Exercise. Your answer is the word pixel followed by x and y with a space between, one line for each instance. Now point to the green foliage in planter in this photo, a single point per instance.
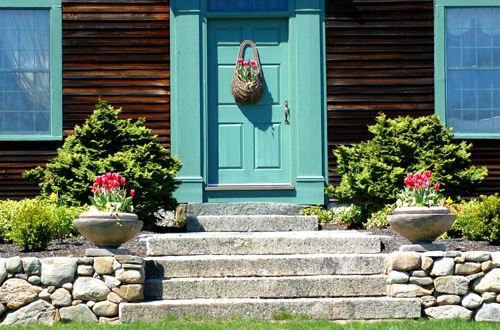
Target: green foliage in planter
pixel 478 220
pixel 32 225
pixel 104 144
pixel 373 171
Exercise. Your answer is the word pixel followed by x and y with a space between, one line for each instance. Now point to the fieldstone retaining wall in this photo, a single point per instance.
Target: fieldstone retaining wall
pixel 88 289
pixel 450 284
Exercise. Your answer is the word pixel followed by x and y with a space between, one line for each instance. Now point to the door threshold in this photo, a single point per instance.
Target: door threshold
pixel 249 187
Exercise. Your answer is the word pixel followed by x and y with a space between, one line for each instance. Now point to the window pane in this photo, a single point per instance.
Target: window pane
pixel 247 5
pixel 24 71
pixel 473 69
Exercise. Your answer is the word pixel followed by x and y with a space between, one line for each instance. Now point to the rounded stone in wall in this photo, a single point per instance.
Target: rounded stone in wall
pixel 89 288
pixel 472 301
pixel 105 308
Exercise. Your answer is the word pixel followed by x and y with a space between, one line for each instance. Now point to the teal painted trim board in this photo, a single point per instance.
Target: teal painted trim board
pixel 187 98
pixel 440 64
pixel 55 67
pixel 30 3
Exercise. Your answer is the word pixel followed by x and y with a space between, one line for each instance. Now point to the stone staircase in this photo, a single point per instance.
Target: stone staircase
pixel 243 270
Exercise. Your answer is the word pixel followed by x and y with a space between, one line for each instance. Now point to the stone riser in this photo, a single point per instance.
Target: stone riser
pixel 266 287
pixel 273 243
pixel 251 223
pixel 197 209
pixel 330 308
pixel 267 265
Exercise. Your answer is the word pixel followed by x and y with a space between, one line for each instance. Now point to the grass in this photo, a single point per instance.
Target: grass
pixel 292 324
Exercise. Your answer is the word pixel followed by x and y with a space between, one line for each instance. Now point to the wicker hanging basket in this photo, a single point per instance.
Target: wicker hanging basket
pixel 250 91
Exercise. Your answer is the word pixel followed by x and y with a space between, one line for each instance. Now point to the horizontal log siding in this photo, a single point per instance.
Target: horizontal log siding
pixel 380 59
pixel 114 49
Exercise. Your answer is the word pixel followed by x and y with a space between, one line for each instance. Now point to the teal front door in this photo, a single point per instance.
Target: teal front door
pixel 248 153
pixel 249 146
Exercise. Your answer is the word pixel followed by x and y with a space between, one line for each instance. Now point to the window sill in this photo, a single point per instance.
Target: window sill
pixel 477 136
pixel 31 137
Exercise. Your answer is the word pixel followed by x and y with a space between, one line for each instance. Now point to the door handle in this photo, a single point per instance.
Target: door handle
pixel 287 114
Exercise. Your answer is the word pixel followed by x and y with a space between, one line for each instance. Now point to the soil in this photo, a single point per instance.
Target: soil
pixel 458 244
pixel 73 248
pixel 76 247
pixel 455 244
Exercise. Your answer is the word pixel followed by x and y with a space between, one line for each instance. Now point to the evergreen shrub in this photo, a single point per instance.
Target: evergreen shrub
pixel 372 171
pixel 105 143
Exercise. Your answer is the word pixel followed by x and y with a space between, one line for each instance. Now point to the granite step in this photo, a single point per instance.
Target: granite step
pixel 249 208
pixel 265 265
pixel 251 223
pixel 262 243
pixel 266 287
pixel 329 308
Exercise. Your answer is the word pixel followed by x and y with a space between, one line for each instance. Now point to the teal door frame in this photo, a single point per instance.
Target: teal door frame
pixel 189 101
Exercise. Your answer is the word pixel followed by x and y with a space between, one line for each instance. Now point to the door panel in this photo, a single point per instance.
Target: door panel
pixel 248 143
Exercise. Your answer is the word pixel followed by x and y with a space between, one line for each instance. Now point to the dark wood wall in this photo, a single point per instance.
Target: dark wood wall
pixel 114 49
pixel 379 58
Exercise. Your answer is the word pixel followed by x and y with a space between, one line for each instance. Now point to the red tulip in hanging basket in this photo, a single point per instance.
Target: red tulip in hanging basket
pixel 247 85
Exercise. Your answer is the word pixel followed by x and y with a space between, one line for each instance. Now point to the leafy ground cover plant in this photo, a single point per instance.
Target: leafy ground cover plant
pixel 372 172
pixel 478 219
pixel 379 219
pixel 345 215
pixel 106 143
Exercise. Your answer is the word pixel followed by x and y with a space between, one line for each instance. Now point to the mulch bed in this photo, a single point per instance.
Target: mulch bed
pixel 73 248
pixel 456 244
pixel 76 247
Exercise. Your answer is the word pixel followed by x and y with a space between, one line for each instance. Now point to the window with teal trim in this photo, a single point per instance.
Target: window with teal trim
pixel 247 5
pixel 472 69
pixel 30 70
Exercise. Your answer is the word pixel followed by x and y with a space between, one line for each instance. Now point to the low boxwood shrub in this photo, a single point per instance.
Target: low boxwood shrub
pixel 478 219
pixel 105 143
pixel 8 208
pixel 32 225
pixel 372 172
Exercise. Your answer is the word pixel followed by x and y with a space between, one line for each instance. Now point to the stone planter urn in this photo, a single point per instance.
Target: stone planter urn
pixel 108 230
pixel 420 224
